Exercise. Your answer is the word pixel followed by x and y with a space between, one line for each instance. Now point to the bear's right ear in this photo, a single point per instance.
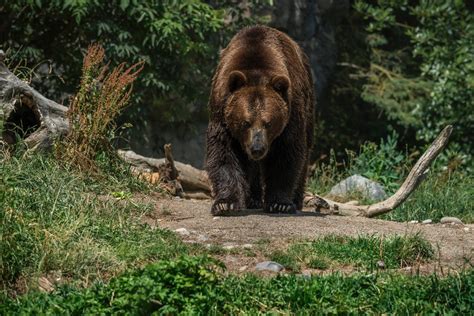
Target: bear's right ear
pixel 237 80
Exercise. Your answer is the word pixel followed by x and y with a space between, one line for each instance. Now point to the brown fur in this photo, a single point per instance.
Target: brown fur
pixel 261 123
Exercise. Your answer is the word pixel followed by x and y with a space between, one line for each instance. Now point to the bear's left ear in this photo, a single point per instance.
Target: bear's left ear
pixel 281 84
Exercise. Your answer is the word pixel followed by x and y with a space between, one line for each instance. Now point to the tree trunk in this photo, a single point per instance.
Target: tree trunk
pixel 28 115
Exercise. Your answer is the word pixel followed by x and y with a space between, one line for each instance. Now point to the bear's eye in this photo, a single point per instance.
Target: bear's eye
pixel 246 124
pixel 267 124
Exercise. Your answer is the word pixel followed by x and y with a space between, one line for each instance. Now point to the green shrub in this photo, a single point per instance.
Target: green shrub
pixel 194 286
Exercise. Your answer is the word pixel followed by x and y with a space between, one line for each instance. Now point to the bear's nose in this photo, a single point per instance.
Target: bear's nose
pixel 257 149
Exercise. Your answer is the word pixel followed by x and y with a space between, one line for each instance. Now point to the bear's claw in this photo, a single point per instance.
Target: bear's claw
pixel 220 208
pixel 282 208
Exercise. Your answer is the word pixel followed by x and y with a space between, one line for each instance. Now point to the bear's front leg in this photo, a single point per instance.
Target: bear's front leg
pixel 225 171
pixel 281 174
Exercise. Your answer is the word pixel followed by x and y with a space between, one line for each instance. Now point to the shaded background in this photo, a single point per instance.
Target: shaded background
pixel 398 68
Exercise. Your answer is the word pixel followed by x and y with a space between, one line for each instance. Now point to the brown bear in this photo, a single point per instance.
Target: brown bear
pixel 260 131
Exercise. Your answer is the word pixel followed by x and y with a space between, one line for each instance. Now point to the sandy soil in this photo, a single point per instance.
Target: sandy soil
pixel 454 244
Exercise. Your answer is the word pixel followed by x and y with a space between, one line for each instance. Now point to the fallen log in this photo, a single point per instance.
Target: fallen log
pixel 27 114
pixel 192 179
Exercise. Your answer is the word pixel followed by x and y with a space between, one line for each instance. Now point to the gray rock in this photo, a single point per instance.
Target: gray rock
pixel 427 221
pixel 450 219
pixel 269 266
pixel 182 231
pixel 381 264
pixel 357 183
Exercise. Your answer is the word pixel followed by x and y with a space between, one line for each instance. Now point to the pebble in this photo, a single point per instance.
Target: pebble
pixel 242 269
pixel 381 264
pixel 427 221
pixel 413 222
pixel 466 229
pixel 451 219
pixel 228 247
pixel 247 246
pixel 182 231
pixel 215 218
pixel 269 266
pixel 202 238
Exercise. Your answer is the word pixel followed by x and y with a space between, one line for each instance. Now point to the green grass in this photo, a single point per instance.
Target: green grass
pixel 363 252
pixel 437 197
pixel 55 219
pixel 196 286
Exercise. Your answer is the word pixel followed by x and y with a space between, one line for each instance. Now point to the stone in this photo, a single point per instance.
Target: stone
pixel 466 229
pixel 269 266
pixel 381 264
pixel 413 222
pixel 427 221
pixel 242 269
pixel 247 246
pixel 202 238
pixel 357 183
pixel 182 231
pixel 451 220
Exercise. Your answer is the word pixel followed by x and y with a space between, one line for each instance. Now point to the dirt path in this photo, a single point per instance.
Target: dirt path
pixel 193 219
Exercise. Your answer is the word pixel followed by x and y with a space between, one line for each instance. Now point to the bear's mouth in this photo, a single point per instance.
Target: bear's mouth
pixel 256 154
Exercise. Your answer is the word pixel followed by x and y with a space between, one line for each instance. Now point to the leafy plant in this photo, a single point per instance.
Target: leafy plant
pixel 382 162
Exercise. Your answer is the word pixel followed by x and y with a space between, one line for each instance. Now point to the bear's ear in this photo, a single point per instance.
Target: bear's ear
pixel 237 80
pixel 281 84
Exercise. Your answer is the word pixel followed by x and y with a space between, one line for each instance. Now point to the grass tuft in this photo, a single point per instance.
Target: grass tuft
pixel 362 252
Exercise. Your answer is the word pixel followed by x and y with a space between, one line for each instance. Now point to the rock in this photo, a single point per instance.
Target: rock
pixel 451 220
pixel 182 231
pixel 247 246
pixel 413 222
pixel 269 266
pixel 357 183
pixel 242 269
pixel 381 264
pixel 427 221
pixel 202 238
pixel 228 247
pixel 466 229
pixel 44 285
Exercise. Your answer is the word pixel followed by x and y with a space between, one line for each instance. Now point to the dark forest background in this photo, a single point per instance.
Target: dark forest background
pixel 384 69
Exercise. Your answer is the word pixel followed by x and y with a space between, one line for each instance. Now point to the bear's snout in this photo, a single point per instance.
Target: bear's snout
pixel 258 144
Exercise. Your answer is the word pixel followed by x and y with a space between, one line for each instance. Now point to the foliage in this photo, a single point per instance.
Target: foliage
pixel 179 41
pixel 383 163
pixel 364 252
pixel 101 97
pixel 56 219
pixel 421 70
pixel 193 286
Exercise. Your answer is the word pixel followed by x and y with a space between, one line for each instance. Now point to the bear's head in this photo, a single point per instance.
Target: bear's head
pixel 257 112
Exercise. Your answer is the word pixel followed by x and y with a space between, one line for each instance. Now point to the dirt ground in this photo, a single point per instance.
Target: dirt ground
pixel 454 244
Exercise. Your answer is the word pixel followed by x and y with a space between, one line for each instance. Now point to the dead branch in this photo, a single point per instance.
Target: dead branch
pixel 414 178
